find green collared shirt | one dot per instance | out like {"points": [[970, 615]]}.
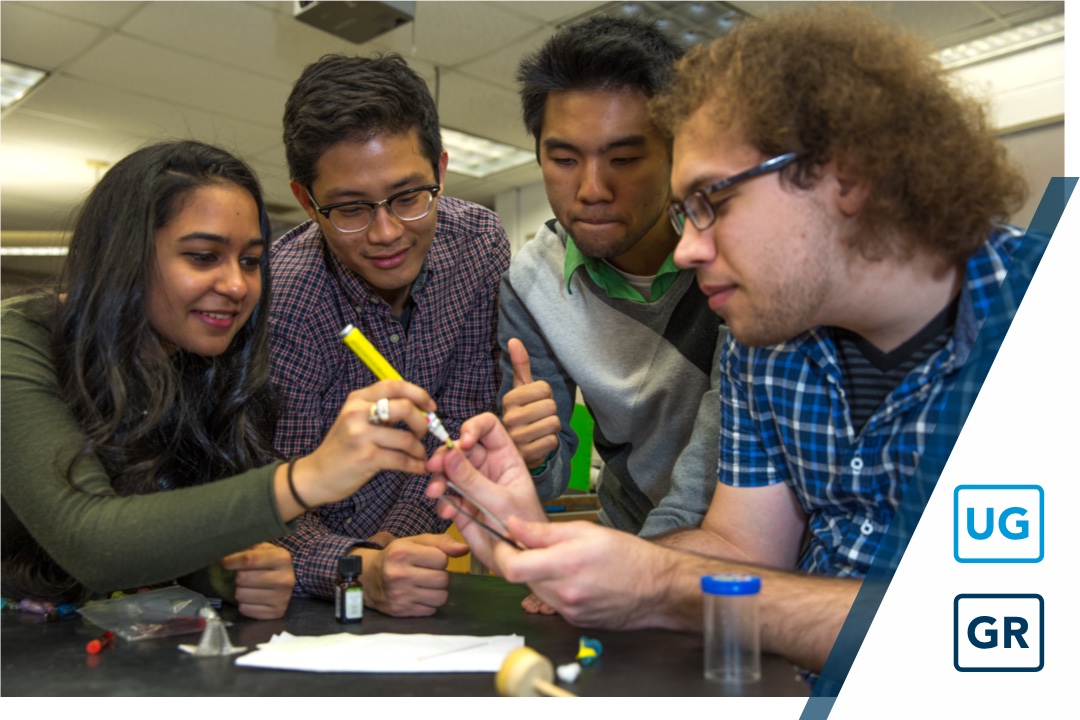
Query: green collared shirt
{"points": [[611, 282]]}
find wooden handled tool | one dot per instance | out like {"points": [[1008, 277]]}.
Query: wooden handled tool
{"points": [[527, 673]]}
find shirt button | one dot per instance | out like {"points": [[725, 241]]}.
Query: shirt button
{"points": [[394, 338], [359, 308], [867, 527], [856, 465], [373, 301]]}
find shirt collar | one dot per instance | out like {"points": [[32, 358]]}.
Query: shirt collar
{"points": [[357, 292], [611, 282], [983, 274]]}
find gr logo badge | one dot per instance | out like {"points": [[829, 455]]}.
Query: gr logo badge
{"points": [[998, 633], [998, 524]]}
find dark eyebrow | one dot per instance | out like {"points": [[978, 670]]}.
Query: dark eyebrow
{"points": [[416, 179], [630, 141], [211, 237], [557, 144], [205, 236], [704, 181], [698, 183]]}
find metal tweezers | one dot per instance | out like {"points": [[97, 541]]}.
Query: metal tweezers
{"points": [[504, 535]]}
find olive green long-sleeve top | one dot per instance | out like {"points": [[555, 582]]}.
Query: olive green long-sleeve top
{"points": [[104, 540]]}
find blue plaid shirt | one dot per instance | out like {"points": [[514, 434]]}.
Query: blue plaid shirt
{"points": [[450, 350], [784, 418]]}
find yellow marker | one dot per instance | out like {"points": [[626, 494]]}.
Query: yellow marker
{"points": [[384, 371]]}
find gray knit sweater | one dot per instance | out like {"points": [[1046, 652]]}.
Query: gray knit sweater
{"points": [[647, 373]]}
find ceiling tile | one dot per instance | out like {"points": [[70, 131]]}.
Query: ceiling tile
{"points": [[1024, 11], [760, 8], [146, 69], [102, 14], [550, 12], [938, 24], [501, 66], [480, 108], [284, 8], [439, 32], [41, 40], [143, 117], [284, 48]]}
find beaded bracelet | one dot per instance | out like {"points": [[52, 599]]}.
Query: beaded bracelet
{"points": [[292, 488]]}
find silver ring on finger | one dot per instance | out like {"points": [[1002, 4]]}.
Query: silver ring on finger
{"points": [[380, 412]]}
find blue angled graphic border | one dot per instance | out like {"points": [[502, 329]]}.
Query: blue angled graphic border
{"points": [[940, 445]]}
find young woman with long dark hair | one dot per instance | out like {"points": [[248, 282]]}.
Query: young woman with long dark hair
{"points": [[138, 411]]}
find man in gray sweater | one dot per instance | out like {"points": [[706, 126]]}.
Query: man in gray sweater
{"points": [[595, 301]]}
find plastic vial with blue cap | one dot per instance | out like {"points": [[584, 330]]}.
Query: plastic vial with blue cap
{"points": [[732, 632]]}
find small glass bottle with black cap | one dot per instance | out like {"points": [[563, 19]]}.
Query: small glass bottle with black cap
{"points": [[349, 592]]}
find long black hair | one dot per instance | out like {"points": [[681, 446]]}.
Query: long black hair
{"points": [[153, 420]]}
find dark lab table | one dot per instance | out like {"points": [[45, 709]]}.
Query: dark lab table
{"points": [[50, 658]]}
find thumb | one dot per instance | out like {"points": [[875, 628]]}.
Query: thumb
{"points": [[243, 560], [263, 555], [444, 542], [536, 535], [519, 358], [458, 470], [455, 548]]}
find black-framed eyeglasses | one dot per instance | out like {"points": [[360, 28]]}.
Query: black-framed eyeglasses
{"points": [[356, 215], [698, 208]]}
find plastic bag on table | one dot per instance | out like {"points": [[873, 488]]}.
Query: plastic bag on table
{"points": [[152, 614]]}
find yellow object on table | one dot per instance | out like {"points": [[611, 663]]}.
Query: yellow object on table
{"points": [[527, 673]]}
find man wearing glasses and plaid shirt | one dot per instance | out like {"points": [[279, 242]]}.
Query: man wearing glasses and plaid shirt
{"points": [[417, 273], [841, 205]]}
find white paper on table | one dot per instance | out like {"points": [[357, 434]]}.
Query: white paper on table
{"points": [[383, 652]]}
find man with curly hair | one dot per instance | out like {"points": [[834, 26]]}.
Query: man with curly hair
{"points": [[842, 207]]}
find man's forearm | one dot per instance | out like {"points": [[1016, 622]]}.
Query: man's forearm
{"points": [[701, 542], [801, 615]]}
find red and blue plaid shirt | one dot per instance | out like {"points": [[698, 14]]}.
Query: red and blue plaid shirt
{"points": [[785, 418], [450, 350]]}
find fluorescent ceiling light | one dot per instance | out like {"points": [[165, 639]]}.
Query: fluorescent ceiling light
{"points": [[1005, 42], [16, 81], [477, 158], [36, 250]]}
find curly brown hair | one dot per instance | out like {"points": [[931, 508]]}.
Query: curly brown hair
{"points": [[836, 84]]}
